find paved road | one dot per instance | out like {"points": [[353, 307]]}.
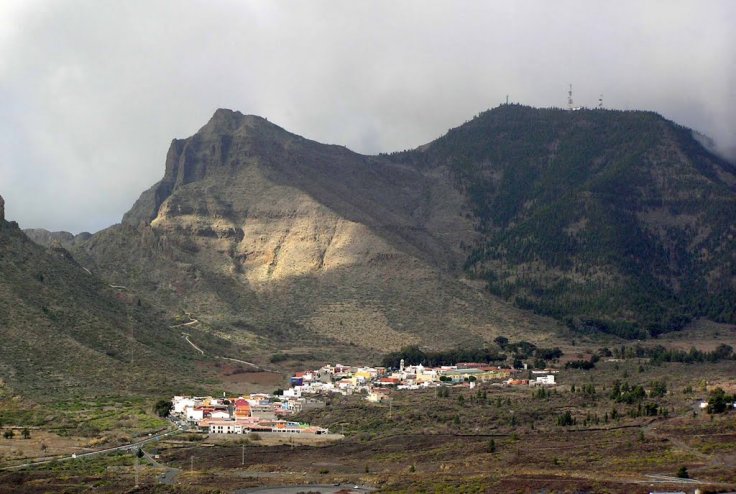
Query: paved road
{"points": [[126, 447]]}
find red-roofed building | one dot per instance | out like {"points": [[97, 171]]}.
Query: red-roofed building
{"points": [[242, 408]]}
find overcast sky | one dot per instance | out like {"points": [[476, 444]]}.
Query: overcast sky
{"points": [[92, 92]]}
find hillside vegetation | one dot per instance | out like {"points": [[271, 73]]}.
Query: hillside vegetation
{"points": [[66, 333], [607, 221], [612, 221]]}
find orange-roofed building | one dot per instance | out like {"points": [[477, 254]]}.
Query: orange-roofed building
{"points": [[242, 409]]}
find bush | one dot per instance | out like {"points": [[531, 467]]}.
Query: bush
{"points": [[580, 364], [566, 419], [163, 408], [491, 448], [718, 401]]}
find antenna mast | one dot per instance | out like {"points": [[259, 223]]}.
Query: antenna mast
{"points": [[569, 98], [600, 102]]}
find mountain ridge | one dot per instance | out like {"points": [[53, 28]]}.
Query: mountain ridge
{"points": [[247, 212], [647, 185], [593, 217]]}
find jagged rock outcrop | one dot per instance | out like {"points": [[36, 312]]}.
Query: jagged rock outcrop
{"points": [[604, 220], [272, 236]]}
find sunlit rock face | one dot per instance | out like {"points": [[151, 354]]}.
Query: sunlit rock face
{"points": [[264, 231]]}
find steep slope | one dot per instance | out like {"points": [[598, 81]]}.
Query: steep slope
{"points": [[67, 333], [274, 240], [613, 221]]}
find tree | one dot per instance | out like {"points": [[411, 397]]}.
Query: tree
{"points": [[682, 473], [659, 388], [9, 434], [501, 341], [163, 408], [491, 446], [25, 433], [565, 419], [718, 401]]}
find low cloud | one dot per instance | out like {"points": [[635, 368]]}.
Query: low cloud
{"points": [[92, 92]]}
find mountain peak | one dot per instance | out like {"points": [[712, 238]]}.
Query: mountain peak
{"points": [[224, 120], [231, 122]]}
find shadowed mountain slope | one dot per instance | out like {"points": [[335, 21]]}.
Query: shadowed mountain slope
{"points": [[614, 221], [66, 333]]}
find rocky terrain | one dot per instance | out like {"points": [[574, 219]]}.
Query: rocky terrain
{"points": [[271, 239], [607, 221]]}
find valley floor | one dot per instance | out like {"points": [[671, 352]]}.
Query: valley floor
{"points": [[583, 435]]}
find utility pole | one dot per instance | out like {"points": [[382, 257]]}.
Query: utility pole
{"points": [[136, 470], [191, 464], [242, 459]]}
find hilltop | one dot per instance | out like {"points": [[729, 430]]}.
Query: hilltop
{"points": [[614, 221]]}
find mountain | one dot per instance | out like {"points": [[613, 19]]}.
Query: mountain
{"points": [[278, 242], [614, 221], [66, 333], [63, 239], [608, 221]]}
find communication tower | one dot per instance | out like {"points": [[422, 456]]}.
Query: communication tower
{"points": [[600, 102], [569, 98]]}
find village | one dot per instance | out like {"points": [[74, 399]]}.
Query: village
{"points": [[268, 413], [377, 383]]}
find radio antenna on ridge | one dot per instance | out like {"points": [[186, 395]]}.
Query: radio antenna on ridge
{"points": [[569, 98], [600, 102]]}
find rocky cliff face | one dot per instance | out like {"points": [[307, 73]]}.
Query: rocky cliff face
{"points": [[611, 221], [279, 240]]}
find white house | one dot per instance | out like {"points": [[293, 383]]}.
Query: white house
{"points": [[181, 403], [225, 427], [548, 380], [194, 414]]}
